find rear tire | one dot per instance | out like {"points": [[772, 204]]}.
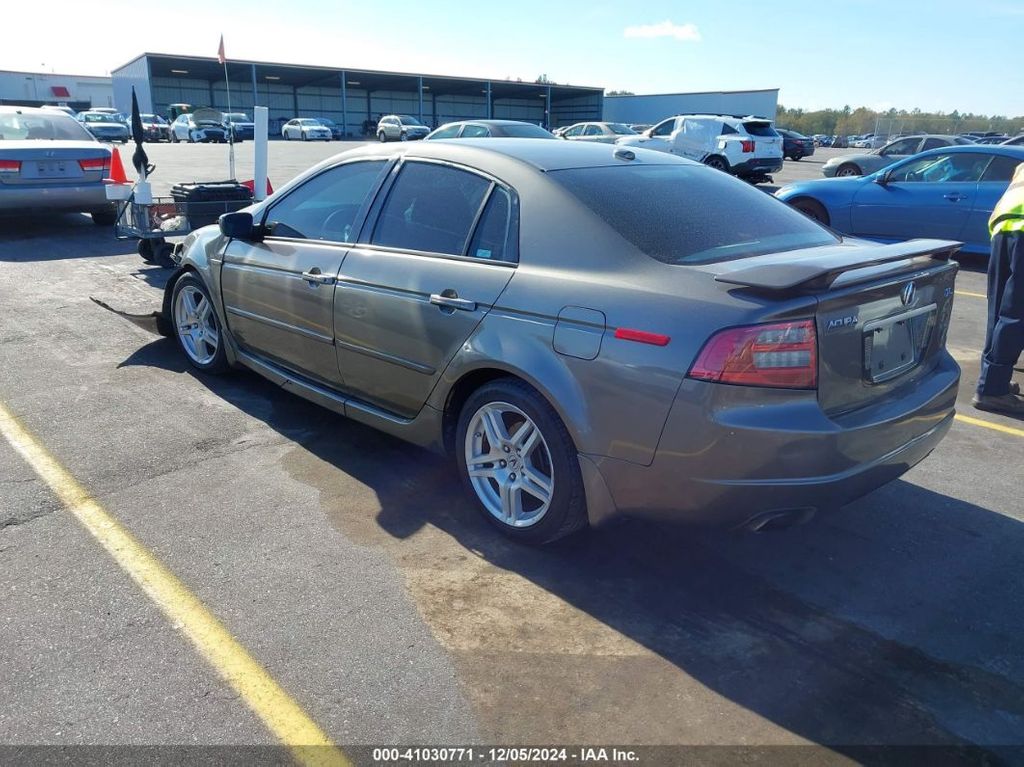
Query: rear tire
{"points": [[717, 162], [812, 209], [545, 459], [106, 217], [797, 156], [848, 169]]}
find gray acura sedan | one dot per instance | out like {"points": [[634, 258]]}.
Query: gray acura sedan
{"points": [[588, 329]]}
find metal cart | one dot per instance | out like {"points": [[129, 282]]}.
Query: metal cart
{"points": [[153, 222]]}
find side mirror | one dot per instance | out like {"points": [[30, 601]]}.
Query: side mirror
{"points": [[649, 133], [882, 179], [238, 225]]}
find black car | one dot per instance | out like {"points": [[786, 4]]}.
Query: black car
{"points": [[795, 145], [336, 131]]}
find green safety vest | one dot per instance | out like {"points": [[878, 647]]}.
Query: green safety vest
{"points": [[1009, 213]]}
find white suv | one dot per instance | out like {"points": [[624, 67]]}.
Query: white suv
{"points": [[744, 146], [400, 128]]}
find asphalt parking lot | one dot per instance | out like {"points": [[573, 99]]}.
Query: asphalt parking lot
{"points": [[353, 571]]}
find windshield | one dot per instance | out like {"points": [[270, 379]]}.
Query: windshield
{"points": [[686, 214], [406, 120], [309, 121], [525, 131], [623, 130], [99, 117], [14, 126], [326, 123], [236, 117], [153, 119]]}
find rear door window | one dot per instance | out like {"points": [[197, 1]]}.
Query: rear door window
{"points": [[431, 208], [759, 129], [934, 143], [688, 214], [449, 131], [494, 238], [475, 131], [1001, 169]]}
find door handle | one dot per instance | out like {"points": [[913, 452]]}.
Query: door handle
{"points": [[315, 277], [452, 301], [955, 196]]}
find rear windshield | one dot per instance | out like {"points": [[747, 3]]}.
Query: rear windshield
{"points": [[689, 214], [623, 130], [14, 126], [760, 129], [525, 131]]}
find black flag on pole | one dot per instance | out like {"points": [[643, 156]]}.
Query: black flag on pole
{"points": [[139, 158]]}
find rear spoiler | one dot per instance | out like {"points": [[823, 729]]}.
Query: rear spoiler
{"points": [[803, 273]]}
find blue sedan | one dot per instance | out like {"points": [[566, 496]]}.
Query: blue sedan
{"points": [[945, 193]]}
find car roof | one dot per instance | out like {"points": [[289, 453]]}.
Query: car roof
{"points": [[1001, 149], [542, 155], [489, 122]]}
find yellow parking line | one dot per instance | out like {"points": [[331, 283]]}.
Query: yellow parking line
{"points": [[969, 293], [279, 711], [990, 425]]}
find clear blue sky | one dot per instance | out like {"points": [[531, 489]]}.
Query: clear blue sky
{"points": [[932, 54]]}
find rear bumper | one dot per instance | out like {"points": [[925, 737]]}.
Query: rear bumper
{"points": [[731, 455], [76, 198], [758, 166]]}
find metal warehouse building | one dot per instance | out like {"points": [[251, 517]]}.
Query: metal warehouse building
{"points": [[656, 107], [349, 97]]}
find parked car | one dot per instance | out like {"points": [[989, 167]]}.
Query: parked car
{"points": [[862, 164], [337, 132], [947, 193], [104, 126], [61, 108], [713, 385], [305, 129], [174, 111], [601, 132], [155, 128], [205, 126], [400, 128], [747, 147], [489, 129], [795, 145], [998, 139], [50, 162], [240, 126], [1015, 141]]}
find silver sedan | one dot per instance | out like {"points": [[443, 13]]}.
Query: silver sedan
{"points": [[866, 164], [578, 355], [600, 132], [49, 162]]}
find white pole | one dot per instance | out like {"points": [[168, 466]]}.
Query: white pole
{"points": [[231, 131], [260, 117]]}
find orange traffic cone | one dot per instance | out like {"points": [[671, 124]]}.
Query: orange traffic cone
{"points": [[117, 174]]}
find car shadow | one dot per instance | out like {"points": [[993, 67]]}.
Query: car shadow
{"points": [[894, 621], [55, 237]]}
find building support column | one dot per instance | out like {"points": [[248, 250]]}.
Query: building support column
{"points": [[255, 96], [344, 105], [547, 109], [419, 88], [490, 105]]}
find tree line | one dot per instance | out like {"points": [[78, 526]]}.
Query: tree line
{"points": [[849, 122]]}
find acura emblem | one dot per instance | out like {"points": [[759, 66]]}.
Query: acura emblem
{"points": [[908, 294]]}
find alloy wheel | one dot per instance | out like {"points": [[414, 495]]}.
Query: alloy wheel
{"points": [[509, 464], [196, 325]]}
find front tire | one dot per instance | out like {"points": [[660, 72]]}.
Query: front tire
{"points": [[848, 169], [381, 137], [196, 327], [519, 464], [812, 209]]}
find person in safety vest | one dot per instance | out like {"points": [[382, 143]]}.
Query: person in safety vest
{"points": [[1004, 338]]}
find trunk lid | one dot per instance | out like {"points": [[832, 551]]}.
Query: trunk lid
{"points": [[882, 312], [43, 162]]}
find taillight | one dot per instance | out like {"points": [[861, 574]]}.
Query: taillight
{"points": [[783, 355], [748, 145], [10, 166], [98, 163]]}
